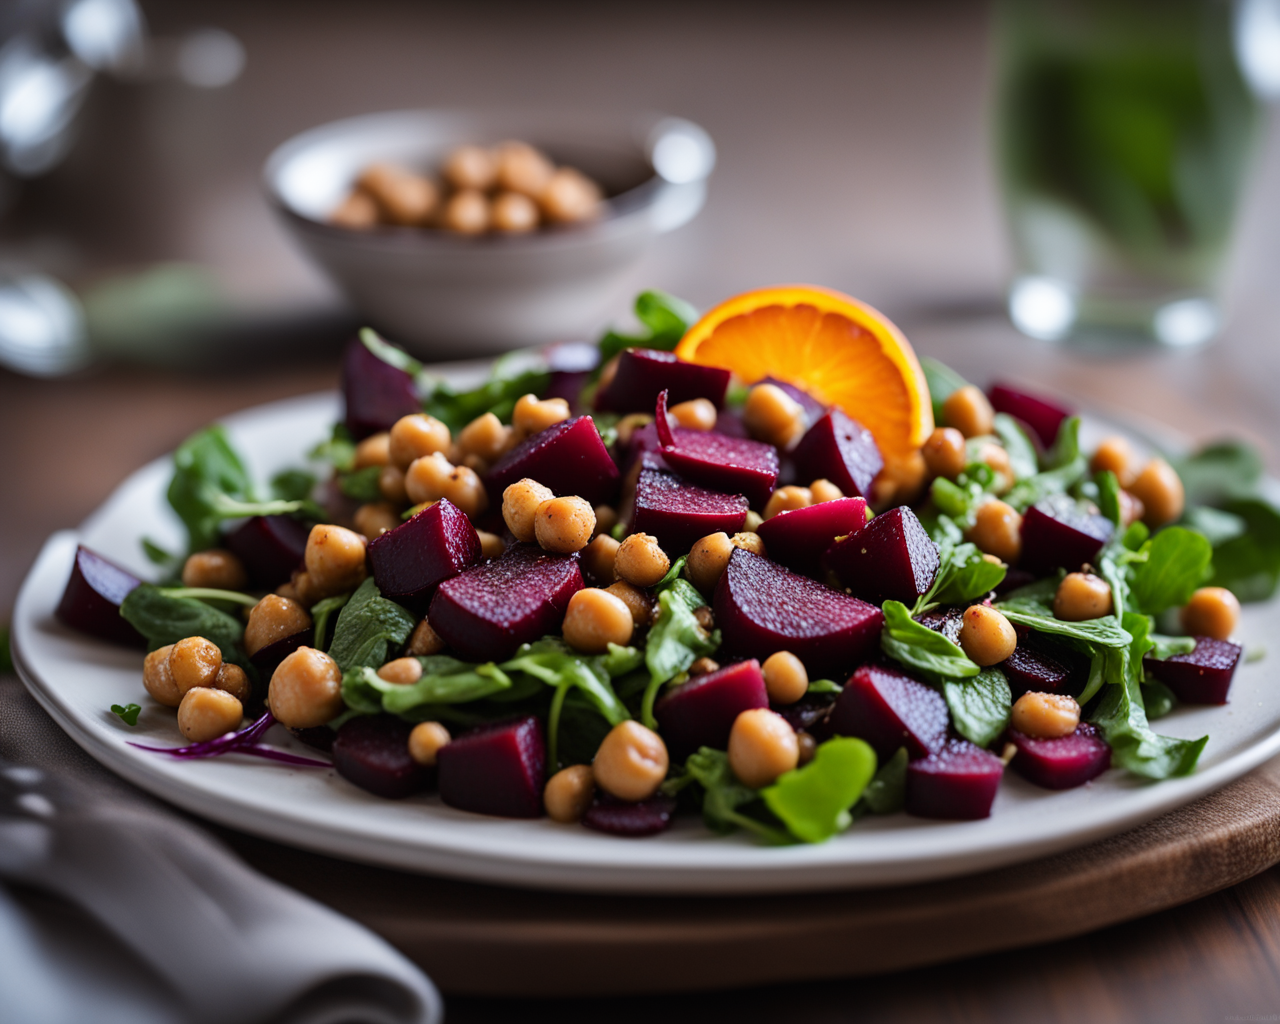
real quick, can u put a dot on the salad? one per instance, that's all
(763, 565)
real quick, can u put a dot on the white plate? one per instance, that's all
(77, 679)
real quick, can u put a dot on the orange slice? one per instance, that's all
(836, 348)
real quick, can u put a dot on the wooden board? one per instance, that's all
(485, 940)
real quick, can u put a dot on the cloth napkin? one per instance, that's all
(113, 908)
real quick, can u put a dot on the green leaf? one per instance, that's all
(824, 686)
(942, 381)
(388, 353)
(211, 594)
(165, 619)
(665, 319)
(1063, 466)
(1167, 646)
(1220, 472)
(128, 712)
(292, 485)
(497, 395)
(205, 466)
(1023, 459)
(723, 795)
(964, 575)
(921, 648)
(1158, 699)
(444, 680)
(979, 706)
(1032, 606)
(551, 661)
(157, 555)
(1108, 495)
(362, 484)
(1218, 526)
(814, 801)
(672, 574)
(675, 642)
(339, 451)
(1178, 560)
(368, 627)
(321, 612)
(887, 792)
(1249, 564)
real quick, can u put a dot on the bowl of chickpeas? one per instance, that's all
(469, 234)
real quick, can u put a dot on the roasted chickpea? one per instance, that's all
(485, 436)
(305, 689)
(641, 561)
(752, 542)
(403, 671)
(1212, 612)
(996, 459)
(631, 762)
(901, 480)
(773, 416)
(194, 662)
(466, 212)
(968, 410)
(564, 525)
(416, 435)
(606, 518)
(824, 490)
(374, 450)
(569, 196)
(232, 679)
(997, 530)
(1082, 596)
(424, 641)
(391, 484)
(1045, 716)
(271, 619)
(206, 713)
(707, 560)
(986, 636)
(216, 568)
(630, 423)
(376, 518)
(471, 167)
(595, 619)
(425, 741)
(598, 556)
(1160, 490)
(807, 745)
(157, 679)
(358, 212)
(785, 677)
(944, 452)
(521, 168)
(520, 503)
(491, 545)
(695, 414)
(514, 213)
(787, 499)
(532, 416)
(637, 601)
(335, 558)
(569, 793)
(402, 197)
(428, 477)
(703, 667)
(466, 490)
(752, 523)
(1116, 454)
(705, 617)
(762, 746)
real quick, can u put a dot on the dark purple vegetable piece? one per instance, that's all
(489, 610)
(644, 442)
(946, 621)
(643, 372)
(318, 737)
(568, 457)
(619, 818)
(266, 659)
(957, 782)
(243, 742)
(840, 449)
(91, 601)
(1037, 667)
(1014, 579)
(376, 393)
(729, 464)
(809, 713)
(1041, 415)
(889, 710)
(372, 752)
(570, 364)
(799, 538)
(271, 548)
(678, 512)
(1201, 677)
(762, 608)
(892, 558)
(701, 712)
(1062, 763)
(813, 409)
(410, 561)
(496, 769)
(1057, 533)
(730, 423)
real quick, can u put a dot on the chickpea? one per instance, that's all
(1082, 596)
(532, 416)
(402, 671)
(1116, 454)
(1045, 716)
(484, 436)
(425, 741)
(824, 490)
(703, 667)
(944, 452)
(569, 793)
(521, 168)
(598, 556)
(374, 450)
(637, 601)
(376, 518)
(641, 561)
(631, 762)
(514, 213)
(630, 423)
(752, 542)
(206, 713)
(986, 636)
(215, 568)
(402, 197)
(901, 479)
(271, 619)
(968, 410)
(472, 167)
(424, 641)
(807, 745)
(696, 414)
(570, 196)
(520, 503)
(997, 530)
(358, 212)
(1211, 612)
(466, 490)
(752, 523)
(491, 545)
(335, 558)
(466, 212)
(232, 679)
(157, 678)
(606, 519)
(1160, 490)
(428, 477)
(194, 662)
(707, 560)
(762, 746)
(785, 677)
(996, 459)
(305, 689)
(564, 525)
(705, 618)
(595, 619)
(773, 416)
(787, 499)
(416, 435)
(391, 484)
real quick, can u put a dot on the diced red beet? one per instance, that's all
(762, 608)
(1034, 668)
(372, 752)
(644, 442)
(497, 769)
(643, 372)
(318, 737)
(570, 363)
(266, 659)
(729, 464)
(889, 709)
(619, 818)
(489, 610)
(892, 558)
(799, 538)
(1201, 677)
(813, 409)
(678, 512)
(701, 712)
(410, 561)
(1057, 533)
(957, 782)
(1014, 578)
(1062, 763)
(809, 712)
(271, 548)
(946, 621)
(569, 457)
(376, 393)
(1041, 415)
(841, 450)
(91, 601)
(730, 423)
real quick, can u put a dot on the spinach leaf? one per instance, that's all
(1178, 560)
(1218, 526)
(1063, 466)
(675, 642)
(339, 451)
(128, 713)
(551, 661)
(368, 627)
(1158, 699)
(921, 648)
(942, 381)
(723, 795)
(964, 575)
(1167, 646)
(1108, 496)
(1032, 606)
(887, 792)
(665, 319)
(1220, 472)
(1023, 459)
(979, 706)
(321, 612)
(497, 395)
(292, 485)
(1249, 564)
(361, 484)
(814, 801)
(165, 619)
(444, 680)
(205, 465)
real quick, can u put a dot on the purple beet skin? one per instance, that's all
(889, 559)
(729, 464)
(489, 610)
(376, 393)
(762, 608)
(619, 818)
(1057, 534)
(643, 372)
(372, 752)
(799, 538)
(842, 451)
(267, 659)
(957, 782)
(570, 364)
(91, 601)
(701, 712)
(1041, 666)
(678, 512)
(1201, 677)
(946, 621)
(889, 710)
(497, 769)
(410, 561)
(569, 457)
(1062, 763)
(1041, 415)
(271, 548)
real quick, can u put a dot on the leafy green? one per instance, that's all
(1108, 496)
(157, 555)
(128, 713)
(1032, 606)
(1167, 646)
(1178, 560)
(1218, 526)
(388, 353)
(814, 801)
(675, 642)
(942, 381)
(497, 395)
(551, 661)
(1023, 459)
(665, 319)
(1220, 472)
(361, 484)
(824, 686)
(1249, 564)
(165, 619)
(887, 792)
(368, 626)
(321, 612)
(979, 706)
(339, 450)
(723, 795)
(292, 485)
(1158, 699)
(444, 680)
(921, 648)
(1063, 466)
(964, 574)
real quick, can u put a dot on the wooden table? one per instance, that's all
(854, 152)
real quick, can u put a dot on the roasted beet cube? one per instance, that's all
(91, 601)
(946, 621)
(372, 752)
(1041, 666)
(496, 769)
(678, 512)
(701, 712)
(891, 558)
(813, 409)
(619, 818)
(957, 782)
(809, 713)
(889, 710)
(1041, 415)
(271, 548)
(643, 373)
(570, 364)
(1201, 677)
(841, 450)
(729, 464)
(1062, 763)
(799, 538)
(762, 608)
(1058, 534)
(266, 659)
(375, 392)
(569, 457)
(410, 561)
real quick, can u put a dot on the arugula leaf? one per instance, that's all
(551, 661)
(675, 641)
(444, 680)
(887, 792)
(723, 795)
(128, 713)
(368, 627)
(665, 319)
(165, 619)
(321, 612)
(361, 484)
(921, 648)
(1249, 565)
(1023, 459)
(1178, 560)
(942, 381)
(814, 801)
(1220, 472)
(979, 706)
